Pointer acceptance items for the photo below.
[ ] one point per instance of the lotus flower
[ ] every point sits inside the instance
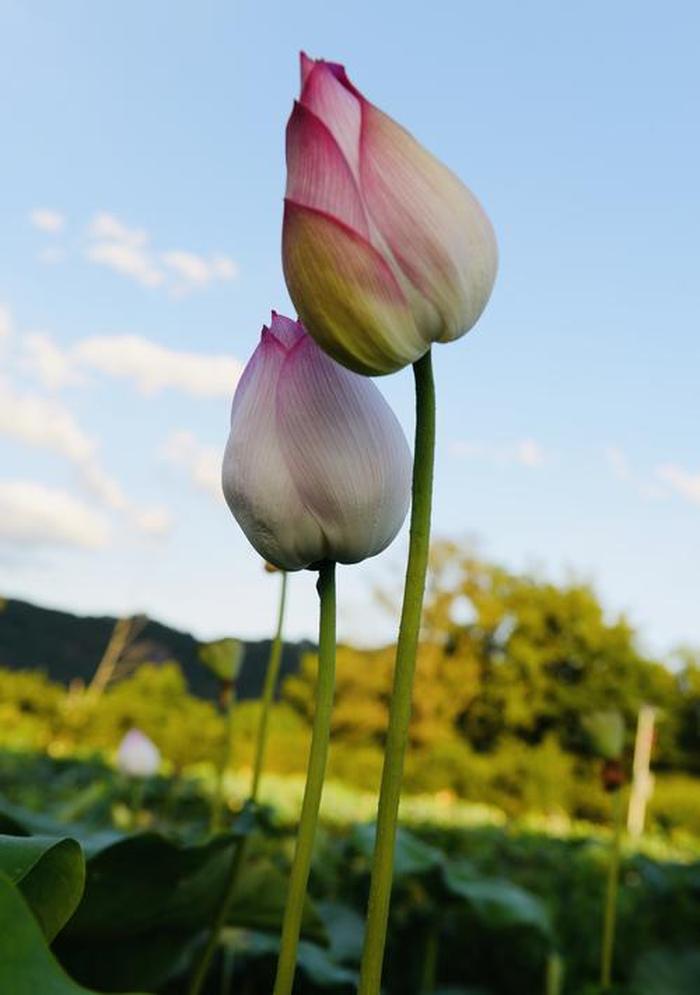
(316, 466)
(385, 250)
(137, 755)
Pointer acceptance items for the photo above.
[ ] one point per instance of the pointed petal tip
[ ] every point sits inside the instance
(285, 330)
(306, 64)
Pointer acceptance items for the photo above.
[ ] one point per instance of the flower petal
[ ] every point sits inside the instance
(305, 66)
(285, 330)
(325, 94)
(346, 294)
(257, 484)
(433, 225)
(346, 452)
(318, 175)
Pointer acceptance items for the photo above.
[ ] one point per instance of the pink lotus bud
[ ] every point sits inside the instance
(385, 250)
(137, 755)
(316, 466)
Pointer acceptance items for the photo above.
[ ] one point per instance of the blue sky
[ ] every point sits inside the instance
(139, 255)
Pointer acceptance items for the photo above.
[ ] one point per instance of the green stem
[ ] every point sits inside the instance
(271, 675)
(202, 966)
(291, 926)
(227, 698)
(138, 791)
(554, 976)
(400, 709)
(610, 913)
(430, 959)
(240, 849)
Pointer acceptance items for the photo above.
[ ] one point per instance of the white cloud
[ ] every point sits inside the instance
(685, 484)
(155, 522)
(618, 463)
(32, 514)
(526, 452)
(47, 362)
(44, 422)
(106, 227)
(196, 271)
(529, 453)
(48, 424)
(153, 367)
(47, 220)
(6, 323)
(201, 463)
(128, 251)
(130, 260)
(51, 255)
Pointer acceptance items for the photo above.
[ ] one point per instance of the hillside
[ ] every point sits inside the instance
(67, 646)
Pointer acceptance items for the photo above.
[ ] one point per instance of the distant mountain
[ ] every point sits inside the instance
(67, 646)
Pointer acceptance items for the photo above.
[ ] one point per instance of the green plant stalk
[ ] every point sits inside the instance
(227, 970)
(228, 700)
(271, 675)
(400, 709)
(430, 960)
(554, 976)
(201, 968)
(301, 865)
(137, 793)
(610, 911)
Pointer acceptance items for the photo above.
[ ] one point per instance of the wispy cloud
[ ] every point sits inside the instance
(201, 464)
(51, 255)
(46, 423)
(153, 367)
(527, 452)
(617, 462)
(128, 251)
(681, 482)
(43, 359)
(32, 514)
(46, 219)
(43, 422)
(6, 322)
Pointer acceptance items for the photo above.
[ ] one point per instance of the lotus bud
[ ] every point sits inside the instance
(223, 658)
(385, 250)
(137, 756)
(606, 732)
(316, 466)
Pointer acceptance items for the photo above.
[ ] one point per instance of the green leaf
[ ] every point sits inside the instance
(498, 904)
(411, 856)
(317, 963)
(148, 899)
(345, 929)
(223, 658)
(49, 872)
(320, 968)
(27, 966)
(668, 972)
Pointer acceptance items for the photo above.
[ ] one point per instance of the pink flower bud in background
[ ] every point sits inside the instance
(385, 250)
(137, 756)
(316, 466)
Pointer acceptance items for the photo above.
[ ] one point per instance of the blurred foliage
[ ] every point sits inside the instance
(223, 658)
(511, 672)
(514, 681)
(489, 906)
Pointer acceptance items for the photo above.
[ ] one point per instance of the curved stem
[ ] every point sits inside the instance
(400, 709)
(610, 913)
(227, 700)
(271, 675)
(202, 966)
(240, 849)
(301, 865)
